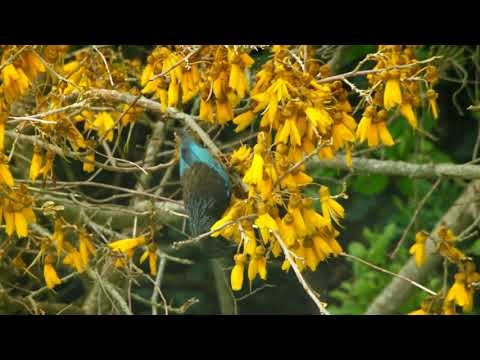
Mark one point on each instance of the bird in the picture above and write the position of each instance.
(206, 191)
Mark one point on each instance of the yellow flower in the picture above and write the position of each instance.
(258, 264)
(365, 125)
(206, 111)
(173, 94)
(88, 165)
(320, 118)
(86, 247)
(446, 248)
(74, 259)
(313, 220)
(236, 276)
(384, 134)
(446, 234)
(104, 124)
(265, 223)
(49, 273)
(432, 102)
(311, 258)
(230, 214)
(331, 209)
(254, 174)
(286, 265)
(243, 120)
(58, 235)
(392, 95)
(15, 82)
(224, 111)
(406, 110)
(31, 64)
(289, 129)
(151, 253)
(418, 249)
(239, 157)
(322, 249)
(16, 221)
(459, 294)
(18, 212)
(36, 165)
(287, 229)
(46, 170)
(126, 245)
(238, 81)
(5, 174)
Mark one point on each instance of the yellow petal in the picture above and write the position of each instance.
(392, 95)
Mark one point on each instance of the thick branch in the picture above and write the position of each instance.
(401, 168)
(457, 218)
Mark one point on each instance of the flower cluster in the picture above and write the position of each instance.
(125, 250)
(466, 279)
(397, 87)
(219, 79)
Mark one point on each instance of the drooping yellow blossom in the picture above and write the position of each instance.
(392, 95)
(74, 259)
(331, 209)
(459, 295)
(406, 109)
(254, 174)
(151, 254)
(372, 127)
(243, 120)
(15, 82)
(238, 80)
(419, 248)
(231, 214)
(320, 118)
(47, 167)
(236, 276)
(258, 264)
(49, 273)
(5, 174)
(86, 247)
(432, 102)
(36, 164)
(18, 212)
(126, 245)
(239, 156)
(446, 247)
(104, 125)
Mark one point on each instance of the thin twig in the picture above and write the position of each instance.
(158, 282)
(306, 287)
(414, 283)
(105, 63)
(414, 217)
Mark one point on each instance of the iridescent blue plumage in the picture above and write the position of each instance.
(206, 185)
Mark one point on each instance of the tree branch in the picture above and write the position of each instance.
(401, 168)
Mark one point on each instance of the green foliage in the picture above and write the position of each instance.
(370, 184)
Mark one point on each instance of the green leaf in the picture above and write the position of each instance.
(357, 249)
(475, 248)
(405, 185)
(370, 184)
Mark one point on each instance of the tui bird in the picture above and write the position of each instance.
(206, 191)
